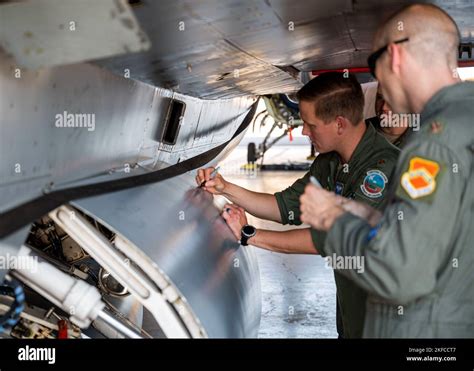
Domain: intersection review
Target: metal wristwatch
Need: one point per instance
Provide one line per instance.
(247, 232)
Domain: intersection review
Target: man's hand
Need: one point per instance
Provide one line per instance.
(261, 205)
(235, 218)
(215, 186)
(320, 208)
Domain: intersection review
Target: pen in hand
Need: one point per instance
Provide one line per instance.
(315, 181)
(213, 174)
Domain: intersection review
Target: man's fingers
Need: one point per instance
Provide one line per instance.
(230, 209)
(303, 217)
(312, 190)
(302, 205)
(204, 174)
(210, 183)
(233, 211)
(232, 206)
(238, 210)
(200, 175)
(225, 215)
(207, 173)
(228, 215)
(303, 200)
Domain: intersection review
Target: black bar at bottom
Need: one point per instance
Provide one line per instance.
(417, 354)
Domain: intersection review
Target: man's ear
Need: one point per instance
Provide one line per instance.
(341, 123)
(394, 53)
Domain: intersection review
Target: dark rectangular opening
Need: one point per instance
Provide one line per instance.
(173, 121)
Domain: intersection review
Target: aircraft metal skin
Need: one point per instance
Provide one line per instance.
(43, 154)
(40, 157)
(177, 226)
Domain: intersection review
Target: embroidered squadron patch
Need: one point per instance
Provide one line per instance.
(373, 184)
(420, 179)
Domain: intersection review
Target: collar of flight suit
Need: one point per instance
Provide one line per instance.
(446, 96)
(365, 147)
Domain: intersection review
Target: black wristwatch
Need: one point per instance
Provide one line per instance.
(246, 232)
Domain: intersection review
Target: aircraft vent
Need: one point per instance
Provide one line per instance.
(173, 122)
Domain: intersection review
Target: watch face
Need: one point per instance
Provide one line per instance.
(248, 230)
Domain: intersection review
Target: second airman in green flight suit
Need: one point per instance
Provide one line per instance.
(354, 161)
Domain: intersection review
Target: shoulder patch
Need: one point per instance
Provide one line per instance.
(420, 178)
(374, 183)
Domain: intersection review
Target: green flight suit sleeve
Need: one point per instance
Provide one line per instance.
(288, 200)
(402, 256)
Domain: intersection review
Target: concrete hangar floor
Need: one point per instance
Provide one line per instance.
(298, 291)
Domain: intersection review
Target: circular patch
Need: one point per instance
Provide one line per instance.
(374, 183)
